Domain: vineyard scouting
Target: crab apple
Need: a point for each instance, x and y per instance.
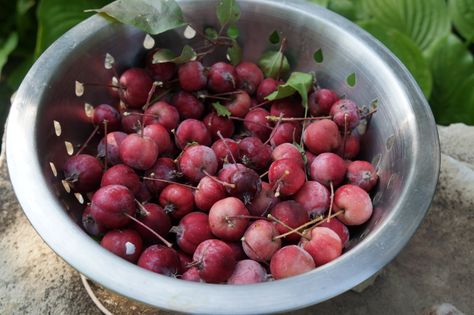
(163, 71)
(246, 184)
(240, 104)
(143, 194)
(320, 101)
(314, 198)
(188, 105)
(192, 130)
(110, 205)
(257, 123)
(324, 246)
(135, 84)
(309, 157)
(160, 135)
(215, 260)
(215, 123)
(292, 214)
(228, 170)
(355, 202)
(138, 152)
(177, 200)
(193, 229)
(247, 271)
(337, 226)
(160, 259)
(197, 160)
(184, 262)
(263, 201)
(192, 274)
(113, 143)
(287, 151)
(224, 219)
(327, 168)
(121, 174)
(290, 261)
(237, 249)
(286, 132)
(322, 136)
(259, 241)
(225, 149)
(288, 107)
(162, 113)
(125, 243)
(131, 121)
(208, 192)
(91, 226)
(83, 172)
(345, 114)
(286, 176)
(254, 153)
(153, 216)
(222, 78)
(350, 149)
(249, 76)
(265, 88)
(362, 174)
(192, 76)
(164, 168)
(106, 113)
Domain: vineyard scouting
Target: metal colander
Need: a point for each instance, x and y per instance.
(49, 118)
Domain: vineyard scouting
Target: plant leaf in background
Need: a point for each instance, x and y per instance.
(422, 20)
(406, 50)
(462, 14)
(274, 64)
(55, 17)
(452, 67)
(299, 82)
(228, 12)
(166, 55)
(6, 49)
(151, 16)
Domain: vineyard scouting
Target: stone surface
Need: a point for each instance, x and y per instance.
(432, 271)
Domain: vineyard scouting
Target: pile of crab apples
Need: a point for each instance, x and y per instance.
(259, 193)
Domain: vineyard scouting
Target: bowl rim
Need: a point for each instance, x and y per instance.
(65, 237)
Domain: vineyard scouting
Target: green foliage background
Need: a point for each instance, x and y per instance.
(433, 38)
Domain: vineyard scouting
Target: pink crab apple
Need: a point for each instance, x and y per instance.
(355, 202)
(290, 261)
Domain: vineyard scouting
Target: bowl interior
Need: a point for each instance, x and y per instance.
(392, 141)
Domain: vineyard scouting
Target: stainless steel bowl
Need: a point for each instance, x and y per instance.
(402, 141)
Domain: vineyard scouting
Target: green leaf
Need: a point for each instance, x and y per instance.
(274, 64)
(462, 14)
(228, 12)
(221, 110)
(406, 50)
(424, 21)
(318, 56)
(452, 67)
(351, 79)
(211, 32)
(55, 17)
(274, 37)
(351, 9)
(166, 55)
(6, 48)
(234, 53)
(151, 16)
(323, 3)
(233, 31)
(300, 82)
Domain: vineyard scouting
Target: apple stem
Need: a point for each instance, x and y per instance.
(225, 184)
(252, 122)
(344, 140)
(287, 226)
(84, 145)
(278, 183)
(161, 238)
(253, 250)
(145, 107)
(277, 118)
(219, 134)
(243, 216)
(264, 174)
(275, 128)
(260, 104)
(169, 181)
(332, 201)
